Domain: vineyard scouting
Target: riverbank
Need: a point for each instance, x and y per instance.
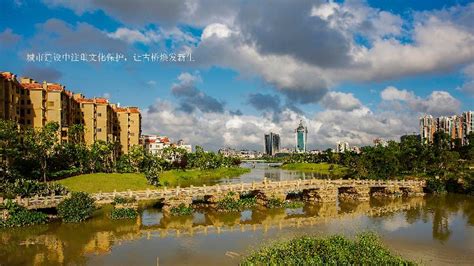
(323, 168)
(108, 182)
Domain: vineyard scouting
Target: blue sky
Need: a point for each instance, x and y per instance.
(352, 70)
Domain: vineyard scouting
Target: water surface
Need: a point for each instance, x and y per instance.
(434, 230)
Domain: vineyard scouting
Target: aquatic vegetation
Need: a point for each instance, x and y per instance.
(123, 213)
(181, 210)
(16, 215)
(229, 203)
(77, 208)
(365, 249)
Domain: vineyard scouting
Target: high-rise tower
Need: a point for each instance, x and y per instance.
(301, 135)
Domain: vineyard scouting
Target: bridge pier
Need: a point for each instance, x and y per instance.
(360, 193)
(412, 191)
(388, 191)
(171, 203)
(327, 194)
(262, 197)
(213, 200)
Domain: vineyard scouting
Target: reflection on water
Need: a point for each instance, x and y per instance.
(433, 229)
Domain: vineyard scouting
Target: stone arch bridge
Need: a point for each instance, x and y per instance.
(309, 190)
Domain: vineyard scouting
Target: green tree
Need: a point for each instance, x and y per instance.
(9, 145)
(41, 145)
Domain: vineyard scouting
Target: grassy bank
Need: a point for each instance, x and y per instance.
(194, 177)
(108, 182)
(323, 168)
(366, 249)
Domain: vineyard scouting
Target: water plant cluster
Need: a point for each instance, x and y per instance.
(123, 213)
(123, 200)
(76, 208)
(124, 208)
(16, 215)
(229, 203)
(273, 203)
(365, 249)
(181, 210)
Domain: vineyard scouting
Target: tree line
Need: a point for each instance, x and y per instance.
(37, 154)
(444, 161)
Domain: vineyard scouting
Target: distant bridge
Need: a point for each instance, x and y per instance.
(311, 190)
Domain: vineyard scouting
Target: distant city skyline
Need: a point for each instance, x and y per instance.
(352, 71)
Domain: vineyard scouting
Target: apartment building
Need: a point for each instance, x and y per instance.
(128, 127)
(10, 94)
(33, 104)
(456, 126)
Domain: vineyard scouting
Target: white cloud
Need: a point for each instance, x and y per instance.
(391, 93)
(468, 86)
(437, 103)
(133, 36)
(214, 130)
(340, 101)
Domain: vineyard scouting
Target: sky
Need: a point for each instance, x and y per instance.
(351, 70)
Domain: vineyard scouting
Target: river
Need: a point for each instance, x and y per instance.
(433, 230)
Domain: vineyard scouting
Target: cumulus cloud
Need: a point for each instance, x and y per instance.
(358, 127)
(191, 98)
(303, 49)
(40, 73)
(144, 12)
(340, 101)
(65, 37)
(264, 102)
(438, 103)
(131, 36)
(293, 58)
(468, 86)
(8, 38)
(393, 94)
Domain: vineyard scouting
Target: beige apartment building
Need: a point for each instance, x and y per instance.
(33, 104)
(128, 126)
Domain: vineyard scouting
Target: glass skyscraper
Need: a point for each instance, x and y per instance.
(301, 135)
(272, 144)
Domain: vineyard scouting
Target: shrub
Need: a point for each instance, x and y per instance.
(436, 185)
(77, 208)
(20, 216)
(152, 176)
(181, 210)
(64, 173)
(124, 213)
(30, 188)
(366, 249)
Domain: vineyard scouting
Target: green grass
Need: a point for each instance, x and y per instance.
(323, 168)
(108, 182)
(196, 177)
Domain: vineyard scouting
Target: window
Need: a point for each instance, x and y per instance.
(132, 134)
(50, 104)
(99, 129)
(28, 111)
(28, 102)
(28, 122)
(99, 114)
